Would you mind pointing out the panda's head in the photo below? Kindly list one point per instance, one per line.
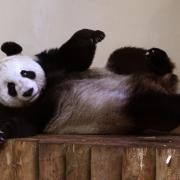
(21, 78)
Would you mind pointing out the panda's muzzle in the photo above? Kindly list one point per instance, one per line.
(28, 93)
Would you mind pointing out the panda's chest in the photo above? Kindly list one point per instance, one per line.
(100, 92)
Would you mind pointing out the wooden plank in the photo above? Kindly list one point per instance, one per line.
(26, 160)
(78, 162)
(6, 161)
(138, 163)
(168, 164)
(111, 140)
(52, 161)
(106, 163)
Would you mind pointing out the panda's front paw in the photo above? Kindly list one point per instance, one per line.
(2, 137)
(97, 36)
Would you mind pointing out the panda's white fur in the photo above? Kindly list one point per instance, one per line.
(10, 71)
(91, 104)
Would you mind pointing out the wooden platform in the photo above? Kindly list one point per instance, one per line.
(91, 157)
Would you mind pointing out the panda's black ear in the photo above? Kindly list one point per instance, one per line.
(11, 48)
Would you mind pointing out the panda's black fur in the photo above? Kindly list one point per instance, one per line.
(136, 91)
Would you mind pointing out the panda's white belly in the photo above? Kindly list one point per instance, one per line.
(92, 106)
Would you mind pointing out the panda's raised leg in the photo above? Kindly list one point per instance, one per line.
(155, 111)
(78, 52)
(74, 55)
(131, 60)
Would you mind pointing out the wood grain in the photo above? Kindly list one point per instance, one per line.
(138, 163)
(52, 161)
(26, 160)
(106, 163)
(78, 162)
(6, 161)
(171, 170)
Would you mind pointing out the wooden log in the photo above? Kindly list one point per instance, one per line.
(26, 159)
(168, 164)
(52, 161)
(6, 161)
(138, 163)
(78, 162)
(111, 140)
(106, 163)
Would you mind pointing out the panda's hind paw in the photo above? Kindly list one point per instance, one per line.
(159, 61)
(87, 37)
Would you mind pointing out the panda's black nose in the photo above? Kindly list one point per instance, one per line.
(28, 93)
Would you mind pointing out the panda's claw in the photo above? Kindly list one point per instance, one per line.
(92, 41)
(2, 137)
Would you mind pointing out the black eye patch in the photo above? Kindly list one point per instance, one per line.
(28, 74)
(11, 89)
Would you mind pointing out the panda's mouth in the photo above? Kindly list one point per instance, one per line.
(32, 98)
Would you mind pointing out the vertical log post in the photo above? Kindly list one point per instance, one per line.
(139, 163)
(106, 163)
(26, 160)
(78, 162)
(6, 161)
(52, 161)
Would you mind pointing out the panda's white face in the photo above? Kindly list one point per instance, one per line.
(21, 80)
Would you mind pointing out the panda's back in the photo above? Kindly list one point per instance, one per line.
(91, 105)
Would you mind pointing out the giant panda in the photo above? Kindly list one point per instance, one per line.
(27, 82)
(77, 100)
